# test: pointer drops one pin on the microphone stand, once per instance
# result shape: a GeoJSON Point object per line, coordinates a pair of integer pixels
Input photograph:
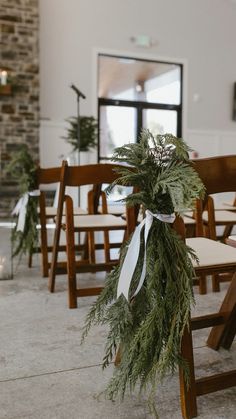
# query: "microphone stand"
{"type": "Point", "coordinates": [79, 95]}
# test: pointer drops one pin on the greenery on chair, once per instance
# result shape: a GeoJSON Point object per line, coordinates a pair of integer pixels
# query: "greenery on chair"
{"type": "Point", "coordinates": [22, 169]}
{"type": "Point", "coordinates": [88, 132]}
{"type": "Point", "coordinates": [148, 327]}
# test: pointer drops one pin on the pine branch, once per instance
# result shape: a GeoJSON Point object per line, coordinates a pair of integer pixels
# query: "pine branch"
{"type": "Point", "coordinates": [22, 168]}
{"type": "Point", "coordinates": [149, 329]}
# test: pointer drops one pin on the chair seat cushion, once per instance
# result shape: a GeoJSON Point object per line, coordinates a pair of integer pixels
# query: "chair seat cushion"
{"type": "Point", "coordinates": [52, 211]}
{"type": "Point", "coordinates": [188, 220]}
{"type": "Point", "coordinates": [97, 222]}
{"type": "Point", "coordinates": [222, 217]}
{"type": "Point", "coordinates": [224, 206]}
{"type": "Point", "coordinates": [211, 252]}
{"type": "Point", "coordinates": [114, 209]}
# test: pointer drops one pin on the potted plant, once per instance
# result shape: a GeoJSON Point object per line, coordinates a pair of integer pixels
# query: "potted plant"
{"type": "Point", "coordinates": [88, 136]}
{"type": "Point", "coordinates": [88, 132]}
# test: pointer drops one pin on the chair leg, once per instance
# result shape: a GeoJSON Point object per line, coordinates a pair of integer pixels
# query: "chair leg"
{"type": "Point", "coordinates": [223, 335]}
{"type": "Point", "coordinates": [43, 235]}
{"type": "Point", "coordinates": [188, 390]}
{"type": "Point", "coordinates": [118, 357]}
{"type": "Point", "coordinates": [215, 283]}
{"type": "Point", "coordinates": [107, 247]}
{"type": "Point", "coordinates": [30, 257]}
{"type": "Point", "coordinates": [52, 274]}
{"type": "Point", "coordinates": [91, 247]}
{"type": "Point", "coordinates": [70, 250]}
{"type": "Point", "coordinates": [202, 285]}
{"type": "Point", "coordinates": [44, 252]}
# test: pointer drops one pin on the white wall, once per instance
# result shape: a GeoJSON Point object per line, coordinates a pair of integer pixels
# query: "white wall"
{"type": "Point", "coordinates": [202, 32]}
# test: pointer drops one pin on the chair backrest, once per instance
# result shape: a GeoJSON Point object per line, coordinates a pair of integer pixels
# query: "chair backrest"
{"type": "Point", "coordinates": [218, 176]}
{"type": "Point", "coordinates": [95, 175]}
{"type": "Point", "coordinates": [90, 174]}
{"type": "Point", "coordinates": [45, 176]}
{"type": "Point", "coordinates": [217, 173]}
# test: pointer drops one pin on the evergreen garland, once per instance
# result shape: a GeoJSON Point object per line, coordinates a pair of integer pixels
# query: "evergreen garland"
{"type": "Point", "coordinates": [149, 328]}
{"type": "Point", "coordinates": [23, 169]}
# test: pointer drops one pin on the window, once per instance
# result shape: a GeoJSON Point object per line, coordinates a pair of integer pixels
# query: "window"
{"type": "Point", "coordinates": [135, 94]}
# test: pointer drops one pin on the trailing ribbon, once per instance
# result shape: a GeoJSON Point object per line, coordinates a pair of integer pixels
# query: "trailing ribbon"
{"type": "Point", "coordinates": [21, 208]}
{"type": "Point", "coordinates": [132, 254]}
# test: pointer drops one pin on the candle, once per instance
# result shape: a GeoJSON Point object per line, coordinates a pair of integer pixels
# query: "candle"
{"type": "Point", "coordinates": [3, 77]}
{"type": "Point", "coordinates": [1, 271]}
{"type": "Point", "coordinates": [2, 260]}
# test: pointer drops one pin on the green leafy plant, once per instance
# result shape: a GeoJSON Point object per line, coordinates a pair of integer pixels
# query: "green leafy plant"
{"type": "Point", "coordinates": [148, 328]}
{"type": "Point", "coordinates": [22, 168]}
{"type": "Point", "coordinates": [88, 132]}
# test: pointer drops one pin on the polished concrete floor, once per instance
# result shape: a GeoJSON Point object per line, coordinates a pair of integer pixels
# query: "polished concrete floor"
{"type": "Point", "coordinates": [46, 374]}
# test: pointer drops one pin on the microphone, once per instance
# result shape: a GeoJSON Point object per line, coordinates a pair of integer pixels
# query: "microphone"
{"type": "Point", "coordinates": [77, 91]}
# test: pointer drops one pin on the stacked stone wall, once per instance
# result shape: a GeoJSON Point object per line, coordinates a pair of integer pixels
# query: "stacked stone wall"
{"type": "Point", "coordinates": [19, 110]}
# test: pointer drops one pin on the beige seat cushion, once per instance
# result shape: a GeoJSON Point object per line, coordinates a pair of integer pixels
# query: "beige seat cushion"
{"type": "Point", "coordinates": [114, 209]}
{"type": "Point", "coordinates": [224, 206]}
{"type": "Point", "coordinates": [222, 217]}
{"type": "Point", "coordinates": [97, 222]}
{"type": "Point", "coordinates": [211, 252]}
{"type": "Point", "coordinates": [188, 220]}
{"type": "Point", "coordinates": [52, 211]}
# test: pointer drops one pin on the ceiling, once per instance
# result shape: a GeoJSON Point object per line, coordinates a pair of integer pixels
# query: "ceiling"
{"type": "Point", "coordinates": [118, 74]}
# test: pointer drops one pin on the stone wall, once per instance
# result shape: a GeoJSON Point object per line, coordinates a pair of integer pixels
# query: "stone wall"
{"type": "Point", "coordinates": [19, 111]}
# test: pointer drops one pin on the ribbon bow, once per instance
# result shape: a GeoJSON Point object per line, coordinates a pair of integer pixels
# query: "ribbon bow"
{"type": "Point", "coordinates": [132, 254]}
{"type": "Point", "coordinates": [21, 208]}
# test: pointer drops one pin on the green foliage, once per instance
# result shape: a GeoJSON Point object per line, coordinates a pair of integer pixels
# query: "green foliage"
{"type": "Point", "coordinates": [149, 328]}
{"type": "Point", "coordinates": [163, 175]}
{"type": "Point", "coordinates": [88, 132]}
{"type": "Point", "coordinates": [22, 168]}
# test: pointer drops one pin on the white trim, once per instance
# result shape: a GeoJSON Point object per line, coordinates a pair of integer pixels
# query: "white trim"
{"type": "Point", "coordinates": [145, 56]}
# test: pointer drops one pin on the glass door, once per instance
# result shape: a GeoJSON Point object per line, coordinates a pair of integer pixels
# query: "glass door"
{"type": "Point", "coordinates": [160, 121]}
{"type": "Point", "coordinates": [117, 126]}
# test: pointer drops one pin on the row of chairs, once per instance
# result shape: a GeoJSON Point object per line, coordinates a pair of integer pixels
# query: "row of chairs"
{"type": "Point", "coordinates": [215, 258]}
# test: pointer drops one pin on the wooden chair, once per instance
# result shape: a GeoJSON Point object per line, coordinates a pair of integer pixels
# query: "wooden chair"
{"type": "Point", "coordinates": [214, 257]}
{"type": "Point", "coordinates": [47, 215]}
{"type": "Point", "coordinates": [94, 175]}
{"type": "Point", "coordinates": [218, 176]}
{"type": "Point", "coordinates": [45, 176]}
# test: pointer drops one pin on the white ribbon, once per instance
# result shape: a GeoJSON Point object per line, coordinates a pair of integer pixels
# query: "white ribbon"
{"type": "Point", "coordinates": [21, 208]}
{"type": "Point", "coordinates": [132, 254]}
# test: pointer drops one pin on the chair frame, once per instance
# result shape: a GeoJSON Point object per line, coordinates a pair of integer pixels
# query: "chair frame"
{"type": "Point", "coordinates": [222, 334]}
{"type": "Point", "coordinates": [45, 176]}
{"type": "Point", "coordinates": [78, 176]}
{"type": "Point", "coordinates": [218, 176]}
{"type": "Point", "coordinates": [223, 324]}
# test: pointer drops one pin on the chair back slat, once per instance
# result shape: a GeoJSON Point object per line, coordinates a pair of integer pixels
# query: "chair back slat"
{"type": "Point", "coordinates": [48, 175]}
{"type": "Point", "coordinates": [217, 173]}
{"type": "Point", "coordinates": [91, 174]}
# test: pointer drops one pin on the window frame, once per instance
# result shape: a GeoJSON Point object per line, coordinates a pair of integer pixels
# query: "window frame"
{"type": "Point", "coordinates": [142, 105]}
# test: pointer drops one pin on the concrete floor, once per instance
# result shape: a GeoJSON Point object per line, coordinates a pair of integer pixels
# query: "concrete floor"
{"type": "Point", "coordinates": [46, 374]}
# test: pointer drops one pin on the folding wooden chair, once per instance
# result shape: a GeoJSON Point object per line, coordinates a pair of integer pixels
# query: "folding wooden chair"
{"type": "Point", "coordinates": [218, 176]}
{"type": "Point", "coordinates": [45, 177]}
{"type": "Point", "coordinates": [94, 175]}
{"type": "Point", "coordinates": [214, 257]}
